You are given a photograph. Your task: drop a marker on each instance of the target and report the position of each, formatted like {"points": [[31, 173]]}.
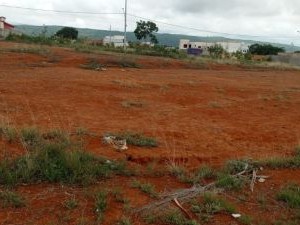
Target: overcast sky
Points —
{"points": [[274, 20]]}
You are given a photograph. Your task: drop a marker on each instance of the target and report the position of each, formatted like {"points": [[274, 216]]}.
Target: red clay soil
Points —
{"points": [[197, 116]]}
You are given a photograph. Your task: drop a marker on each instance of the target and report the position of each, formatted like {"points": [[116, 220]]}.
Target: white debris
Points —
{"points": [[261, 180], [236, 215], [117, 144]]}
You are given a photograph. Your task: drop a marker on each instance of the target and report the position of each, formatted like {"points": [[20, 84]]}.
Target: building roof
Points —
{"points": [[8, 25]]}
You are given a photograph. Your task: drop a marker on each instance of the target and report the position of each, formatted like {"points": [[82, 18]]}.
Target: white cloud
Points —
{"points": [[275, 18]]}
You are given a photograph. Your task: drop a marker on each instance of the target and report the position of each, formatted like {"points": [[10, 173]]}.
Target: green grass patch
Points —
{"points": [[100, 204], [71, 203], [229, 182], [11, 199], [290, 194], [212, 204], [8, 133], [53, 157], [136, 139], [146, 188]]}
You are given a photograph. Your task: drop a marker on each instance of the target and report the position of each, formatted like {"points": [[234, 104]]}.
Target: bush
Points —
{"points": [[265, 49], [67, 33], [54, 158]]}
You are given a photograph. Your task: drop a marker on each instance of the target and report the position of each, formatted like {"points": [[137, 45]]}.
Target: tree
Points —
{"points": [[216, 51], [266, 49], [145, 30], [68, 33]]}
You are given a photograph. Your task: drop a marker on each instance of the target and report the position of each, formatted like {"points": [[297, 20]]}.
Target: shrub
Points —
{"points": [[11, 199], [291, 195]]}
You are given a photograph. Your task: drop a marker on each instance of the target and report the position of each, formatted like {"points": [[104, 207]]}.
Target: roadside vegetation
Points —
{"points": [[54, 157]]}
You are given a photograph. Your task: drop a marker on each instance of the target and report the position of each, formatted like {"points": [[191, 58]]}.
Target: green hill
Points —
{"points": [[164, 39]]}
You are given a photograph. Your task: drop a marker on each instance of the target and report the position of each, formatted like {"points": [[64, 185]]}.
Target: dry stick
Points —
{"points": [[183, 194], [253, 181], [183, 209]]}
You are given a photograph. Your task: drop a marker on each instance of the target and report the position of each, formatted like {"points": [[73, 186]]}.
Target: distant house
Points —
{"points": [[116, 41], [5, 28], [203, 47]]}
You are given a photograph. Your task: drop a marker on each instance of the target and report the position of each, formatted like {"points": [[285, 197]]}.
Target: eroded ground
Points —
{"points": [[198, 116]]}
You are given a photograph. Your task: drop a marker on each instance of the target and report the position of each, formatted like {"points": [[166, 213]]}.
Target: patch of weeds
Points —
{"points": [[57, 136], [56, 162], [152, 169], [290, 194], [176, 218], [236, 166], [11, 199], [30, 136], [280, 163], [136, 139], [179, 171], [204, 172], [211, 204], [229, 182], [119, 196], [100, 204], [128, 63], [8, 133], [124, 221], [92, 64], [147, 188], [245, 219], [71, 203]]}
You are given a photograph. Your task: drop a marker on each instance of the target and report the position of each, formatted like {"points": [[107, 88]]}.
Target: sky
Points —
{"points": [[265, 20]]}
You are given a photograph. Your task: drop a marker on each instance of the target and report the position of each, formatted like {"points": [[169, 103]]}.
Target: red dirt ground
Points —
{"points": [[198, 116]]}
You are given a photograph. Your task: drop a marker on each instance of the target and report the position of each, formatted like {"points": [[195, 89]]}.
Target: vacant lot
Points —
{"points": [[198, 116]]}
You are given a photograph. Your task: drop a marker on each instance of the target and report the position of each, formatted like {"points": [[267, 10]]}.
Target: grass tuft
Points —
{"points": [[136, 139], [290, 194], [11, 199], [71, 203], [147, 188], [100, 204]]}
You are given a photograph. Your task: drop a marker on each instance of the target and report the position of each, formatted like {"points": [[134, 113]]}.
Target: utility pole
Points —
{"points": [[110, 34], [125, 25]]}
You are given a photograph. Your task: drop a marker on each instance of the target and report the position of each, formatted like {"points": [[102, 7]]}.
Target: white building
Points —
{"points": [[230, 47], [116, 41]]}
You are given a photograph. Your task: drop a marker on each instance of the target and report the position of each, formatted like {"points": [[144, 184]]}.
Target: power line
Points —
{"points": [[157, 21], [61, 11], [212, 32]]}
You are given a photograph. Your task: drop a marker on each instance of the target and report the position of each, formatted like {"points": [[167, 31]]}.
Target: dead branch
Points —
{"points": [[184, 195], [183, 209], [253, 181]]}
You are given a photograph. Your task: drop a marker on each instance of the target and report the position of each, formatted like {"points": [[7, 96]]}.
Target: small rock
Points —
{"points": [[262, 180]]}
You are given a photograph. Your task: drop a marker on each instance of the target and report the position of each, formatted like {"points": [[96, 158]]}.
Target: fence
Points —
{"points": [[291, 58]]}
